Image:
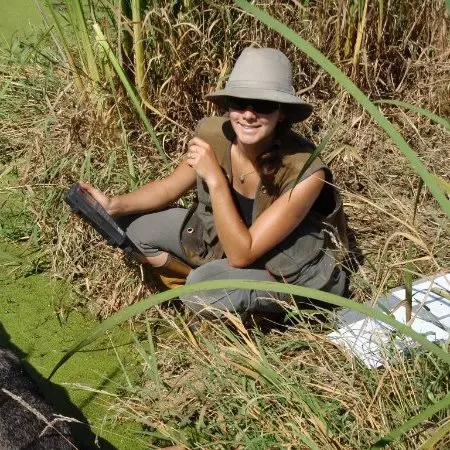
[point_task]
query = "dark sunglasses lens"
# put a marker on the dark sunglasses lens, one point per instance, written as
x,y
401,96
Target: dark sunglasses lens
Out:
x,y
238,103
259,106
264,107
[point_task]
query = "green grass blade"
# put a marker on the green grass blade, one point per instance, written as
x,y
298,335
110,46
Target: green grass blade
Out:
x,y
154,365
124,371
437,436
86,168
129,152
132,177
445,185
80,27
307,441
101,40
269,286
76,36
355,92
317,151
424,112
150,359
65,46
411,423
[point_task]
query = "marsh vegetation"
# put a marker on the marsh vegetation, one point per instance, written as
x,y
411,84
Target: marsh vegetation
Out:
x,y
111,92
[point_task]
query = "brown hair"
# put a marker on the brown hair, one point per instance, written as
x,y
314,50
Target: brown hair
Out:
x,y
270,161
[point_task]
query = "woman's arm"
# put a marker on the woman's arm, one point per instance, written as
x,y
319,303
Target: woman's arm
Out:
x,y
243,245
150,197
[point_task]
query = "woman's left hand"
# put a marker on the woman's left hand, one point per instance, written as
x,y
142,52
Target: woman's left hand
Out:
x,y
202,159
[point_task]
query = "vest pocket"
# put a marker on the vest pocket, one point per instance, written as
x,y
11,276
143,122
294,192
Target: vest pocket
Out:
x,y
198,239
191,237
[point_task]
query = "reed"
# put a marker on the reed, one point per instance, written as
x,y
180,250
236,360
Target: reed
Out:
x,y
79,25
103,43
362,99
89,70
243,388
64,45
139,55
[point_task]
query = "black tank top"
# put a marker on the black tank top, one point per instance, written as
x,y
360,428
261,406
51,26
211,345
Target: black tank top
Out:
x,y
244,206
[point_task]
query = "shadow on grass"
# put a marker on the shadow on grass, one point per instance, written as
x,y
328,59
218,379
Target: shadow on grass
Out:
x,y
58,397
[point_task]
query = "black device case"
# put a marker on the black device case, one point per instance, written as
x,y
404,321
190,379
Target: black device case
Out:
x,y
83,204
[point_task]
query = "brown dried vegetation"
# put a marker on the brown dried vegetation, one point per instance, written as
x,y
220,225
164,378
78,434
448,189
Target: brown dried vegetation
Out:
x,y
62,137
189,53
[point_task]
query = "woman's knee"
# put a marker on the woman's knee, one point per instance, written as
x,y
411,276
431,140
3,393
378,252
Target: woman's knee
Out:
x,y
215,302
157,233
211,271
206,303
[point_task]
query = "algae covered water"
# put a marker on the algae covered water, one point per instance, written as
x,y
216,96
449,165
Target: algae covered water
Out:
x,y
39,319
18,17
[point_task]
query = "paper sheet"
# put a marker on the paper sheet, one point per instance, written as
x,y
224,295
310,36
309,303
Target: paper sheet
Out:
x,y
372,340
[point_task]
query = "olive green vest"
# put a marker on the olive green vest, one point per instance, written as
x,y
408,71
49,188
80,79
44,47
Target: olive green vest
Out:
x,y
305,245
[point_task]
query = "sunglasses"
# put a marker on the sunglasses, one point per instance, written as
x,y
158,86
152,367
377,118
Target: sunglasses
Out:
x,y
259,106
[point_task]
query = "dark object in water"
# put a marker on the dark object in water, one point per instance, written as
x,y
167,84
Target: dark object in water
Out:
x,y
23,410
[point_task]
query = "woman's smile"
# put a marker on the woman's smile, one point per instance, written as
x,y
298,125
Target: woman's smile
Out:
x,y
252,128
248,128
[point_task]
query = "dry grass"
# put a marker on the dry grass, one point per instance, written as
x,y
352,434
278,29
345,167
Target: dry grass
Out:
x,y
234,389
210,391
188,56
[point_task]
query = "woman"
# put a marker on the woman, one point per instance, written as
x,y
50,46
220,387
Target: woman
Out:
x,y
253,219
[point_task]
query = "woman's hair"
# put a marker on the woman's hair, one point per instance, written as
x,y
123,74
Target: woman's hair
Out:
x,y
270,161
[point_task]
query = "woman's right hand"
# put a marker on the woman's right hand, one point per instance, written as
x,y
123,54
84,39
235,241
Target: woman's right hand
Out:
x,y
104,200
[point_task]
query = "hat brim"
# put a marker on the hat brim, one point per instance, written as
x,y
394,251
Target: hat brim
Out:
x,y
295,109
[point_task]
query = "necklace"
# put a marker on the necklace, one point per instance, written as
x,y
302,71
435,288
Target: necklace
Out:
x,y
243,175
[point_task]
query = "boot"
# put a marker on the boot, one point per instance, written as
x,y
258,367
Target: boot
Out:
x,y
173,273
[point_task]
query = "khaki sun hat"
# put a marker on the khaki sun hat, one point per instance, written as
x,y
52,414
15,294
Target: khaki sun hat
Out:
x,y
263,74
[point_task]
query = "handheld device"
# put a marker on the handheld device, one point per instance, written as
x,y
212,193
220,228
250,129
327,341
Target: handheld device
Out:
x,y
82,203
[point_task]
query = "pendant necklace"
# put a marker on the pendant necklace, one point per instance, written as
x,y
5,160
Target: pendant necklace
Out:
x,y
242,176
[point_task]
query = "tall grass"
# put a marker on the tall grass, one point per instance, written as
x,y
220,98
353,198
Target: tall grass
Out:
x,y
103,43
353,90
241,388
246,389
89,70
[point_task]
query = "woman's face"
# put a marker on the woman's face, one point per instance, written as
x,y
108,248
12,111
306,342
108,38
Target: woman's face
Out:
x,y
254,121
